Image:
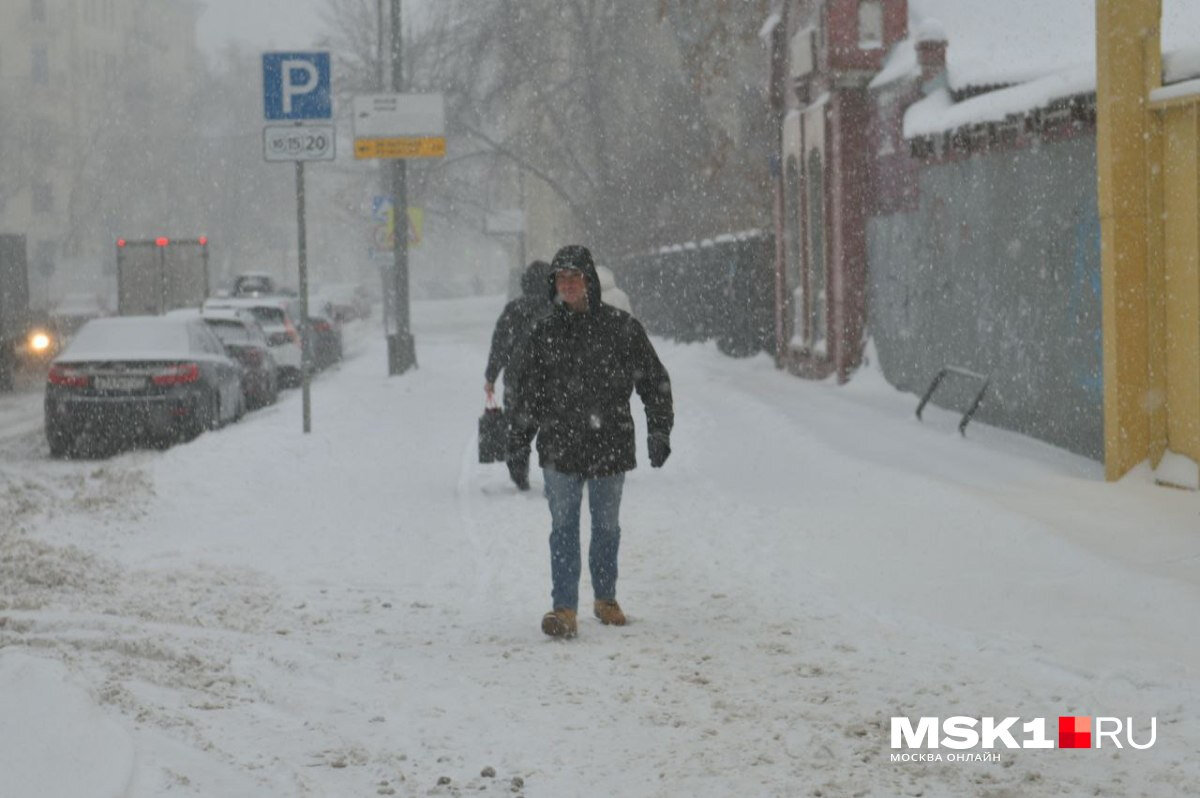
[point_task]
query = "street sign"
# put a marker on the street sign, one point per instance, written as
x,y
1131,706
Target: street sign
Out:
x,y
400,147
296,86
399,126
299,142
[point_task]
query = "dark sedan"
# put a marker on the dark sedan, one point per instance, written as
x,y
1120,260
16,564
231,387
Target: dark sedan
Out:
x,y
325,337
246,343
159,377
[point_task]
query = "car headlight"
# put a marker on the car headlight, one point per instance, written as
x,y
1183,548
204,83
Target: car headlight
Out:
x,y
39,341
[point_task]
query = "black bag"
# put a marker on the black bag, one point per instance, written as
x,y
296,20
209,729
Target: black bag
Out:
x,y
493,435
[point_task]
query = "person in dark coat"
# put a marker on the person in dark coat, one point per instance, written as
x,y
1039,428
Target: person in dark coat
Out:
x,y
508,344
582,364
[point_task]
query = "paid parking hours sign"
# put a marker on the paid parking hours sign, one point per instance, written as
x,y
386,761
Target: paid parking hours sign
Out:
x,y
296,91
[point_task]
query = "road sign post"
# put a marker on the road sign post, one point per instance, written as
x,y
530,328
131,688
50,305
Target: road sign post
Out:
x,y
296,89
397,127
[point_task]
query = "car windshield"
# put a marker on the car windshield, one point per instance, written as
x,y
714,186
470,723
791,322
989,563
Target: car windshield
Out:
x,y
251,285
268,316
128,337
229,331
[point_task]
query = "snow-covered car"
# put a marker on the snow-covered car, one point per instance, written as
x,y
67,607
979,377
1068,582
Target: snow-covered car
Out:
x,y
346,300
254,284
325,334
246,343
279,319
162,377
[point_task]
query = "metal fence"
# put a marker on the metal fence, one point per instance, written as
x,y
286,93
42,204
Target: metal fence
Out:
x,y
720,289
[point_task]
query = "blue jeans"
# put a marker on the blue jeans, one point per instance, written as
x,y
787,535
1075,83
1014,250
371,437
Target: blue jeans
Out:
x,y
565,494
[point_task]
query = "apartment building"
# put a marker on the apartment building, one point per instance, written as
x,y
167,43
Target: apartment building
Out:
x,y
73,75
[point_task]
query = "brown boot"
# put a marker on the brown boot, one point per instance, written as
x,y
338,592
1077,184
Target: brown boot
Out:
x,y
609,612
559,623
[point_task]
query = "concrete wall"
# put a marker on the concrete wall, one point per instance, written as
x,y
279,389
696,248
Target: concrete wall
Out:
x,y
997,270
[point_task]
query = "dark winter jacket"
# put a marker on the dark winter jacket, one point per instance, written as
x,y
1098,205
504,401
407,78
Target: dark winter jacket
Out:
x,y
580,371
515,324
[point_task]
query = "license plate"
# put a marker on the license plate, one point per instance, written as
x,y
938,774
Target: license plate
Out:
x,y
119,383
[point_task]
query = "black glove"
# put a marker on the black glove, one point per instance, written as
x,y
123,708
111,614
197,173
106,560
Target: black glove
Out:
x,y
518,469
660,449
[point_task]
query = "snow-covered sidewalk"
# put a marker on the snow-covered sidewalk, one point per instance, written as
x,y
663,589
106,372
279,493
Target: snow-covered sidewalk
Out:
x,y
355,611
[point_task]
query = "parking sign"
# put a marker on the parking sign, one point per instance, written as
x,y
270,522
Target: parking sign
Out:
x,y
296,86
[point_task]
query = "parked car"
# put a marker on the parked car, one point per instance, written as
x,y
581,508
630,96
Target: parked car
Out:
x,y
246,343
163,377
325,334
254,284
347,301
278,318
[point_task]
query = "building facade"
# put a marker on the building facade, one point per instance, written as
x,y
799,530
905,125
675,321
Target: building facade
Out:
x,y
956,217
69,70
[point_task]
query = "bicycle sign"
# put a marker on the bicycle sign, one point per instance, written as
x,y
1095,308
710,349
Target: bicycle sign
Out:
x,y
299,143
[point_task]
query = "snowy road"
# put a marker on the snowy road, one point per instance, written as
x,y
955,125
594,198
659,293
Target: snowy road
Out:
x,y
355,612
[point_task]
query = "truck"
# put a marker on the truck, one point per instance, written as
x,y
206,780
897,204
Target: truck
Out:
x,y
155,275
14,304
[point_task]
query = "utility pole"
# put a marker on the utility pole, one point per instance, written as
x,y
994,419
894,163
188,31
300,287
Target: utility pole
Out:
x,y
402,353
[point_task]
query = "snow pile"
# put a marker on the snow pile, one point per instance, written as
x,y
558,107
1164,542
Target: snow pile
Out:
x,y
54,738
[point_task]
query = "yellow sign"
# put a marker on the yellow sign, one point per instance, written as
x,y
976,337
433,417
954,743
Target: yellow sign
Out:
x,y
401,147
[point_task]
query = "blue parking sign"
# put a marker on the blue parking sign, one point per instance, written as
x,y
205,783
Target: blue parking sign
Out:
x,y
296,86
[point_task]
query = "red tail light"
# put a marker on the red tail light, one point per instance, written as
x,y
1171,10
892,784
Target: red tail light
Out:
x,y
291,331
322,326
177,374
67,377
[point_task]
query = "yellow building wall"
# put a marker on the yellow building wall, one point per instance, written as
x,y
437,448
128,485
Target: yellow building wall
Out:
x,y
1148,162
1181,249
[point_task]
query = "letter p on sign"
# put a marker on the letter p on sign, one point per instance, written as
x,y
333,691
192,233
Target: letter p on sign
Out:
x,y
296,86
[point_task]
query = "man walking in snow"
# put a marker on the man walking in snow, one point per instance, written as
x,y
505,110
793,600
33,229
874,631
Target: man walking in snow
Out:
x,y
581,366
508,345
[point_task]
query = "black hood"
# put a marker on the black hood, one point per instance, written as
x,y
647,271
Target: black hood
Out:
x,y
577,256
533,279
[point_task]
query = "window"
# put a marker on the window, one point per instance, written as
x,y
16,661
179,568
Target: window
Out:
x,y
37,10
42,199
870,23
39,71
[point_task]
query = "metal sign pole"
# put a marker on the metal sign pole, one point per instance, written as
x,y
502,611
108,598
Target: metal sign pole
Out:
x,y
296,87
402,353
305,338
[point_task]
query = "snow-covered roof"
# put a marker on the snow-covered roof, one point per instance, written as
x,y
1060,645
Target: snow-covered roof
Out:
x,y
937,113
1041,51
